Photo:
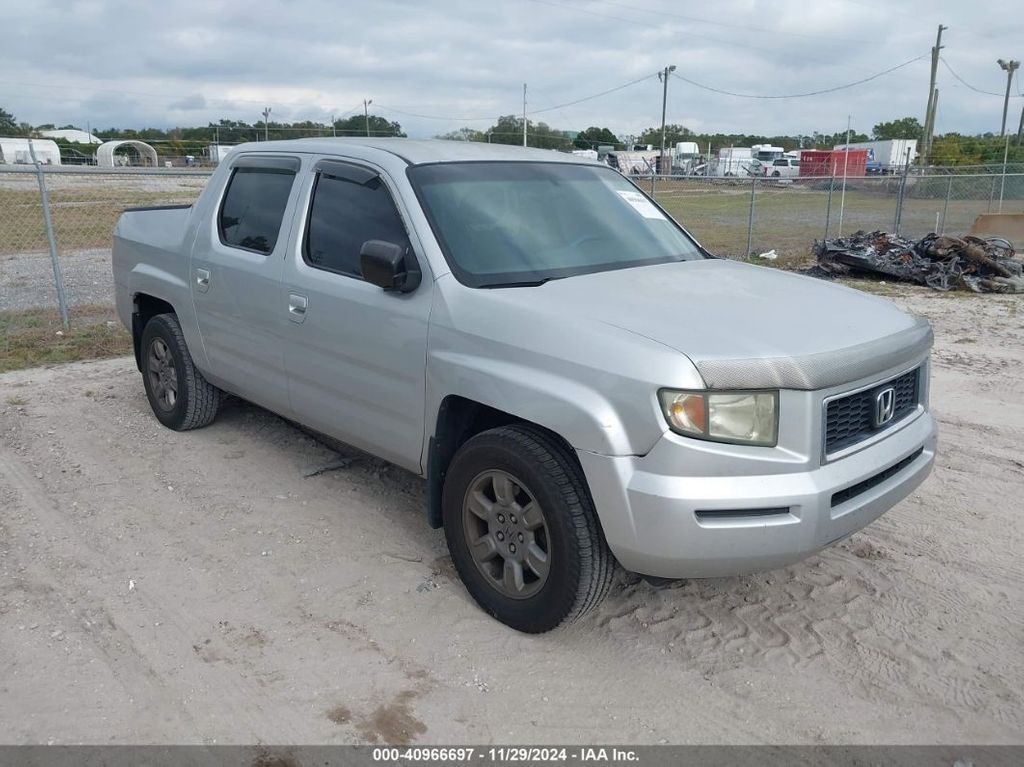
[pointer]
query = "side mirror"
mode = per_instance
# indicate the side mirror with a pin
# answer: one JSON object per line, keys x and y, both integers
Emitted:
{"x": 388, "y": 265}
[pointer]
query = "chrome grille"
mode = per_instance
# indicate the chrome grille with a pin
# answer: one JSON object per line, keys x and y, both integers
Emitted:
{"x": 850, "y": 419}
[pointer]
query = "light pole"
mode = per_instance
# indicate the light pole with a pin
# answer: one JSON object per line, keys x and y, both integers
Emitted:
{"x": 1009, "y": 67}
{"x": 663, "y": 76}
{"x": 524, "y": 114}
{"x": 266, "y": 124}
{"x": 366, "y": 114}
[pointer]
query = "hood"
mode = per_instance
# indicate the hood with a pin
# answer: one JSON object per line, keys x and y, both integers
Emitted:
{"x": 744, "y": 326}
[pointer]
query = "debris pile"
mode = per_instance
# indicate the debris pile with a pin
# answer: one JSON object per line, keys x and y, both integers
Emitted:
{"x": 938, "y": 261}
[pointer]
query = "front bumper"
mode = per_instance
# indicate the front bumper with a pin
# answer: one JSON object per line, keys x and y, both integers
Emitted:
{"x": 662, "y": 524}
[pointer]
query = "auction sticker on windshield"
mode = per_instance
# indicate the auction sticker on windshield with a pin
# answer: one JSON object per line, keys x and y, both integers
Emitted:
{"x": 640, "y": 204}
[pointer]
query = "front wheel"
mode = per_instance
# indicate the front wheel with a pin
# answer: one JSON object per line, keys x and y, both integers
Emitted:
{"x": 522, "y": 530}
{"x": 179, "y": 395}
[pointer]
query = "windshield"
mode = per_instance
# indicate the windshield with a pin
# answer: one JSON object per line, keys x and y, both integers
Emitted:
{"x": 523, "y": 223}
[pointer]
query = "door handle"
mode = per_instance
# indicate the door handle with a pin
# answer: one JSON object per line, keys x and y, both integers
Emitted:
{"x": 297, "y": 306}
{"x": 202, "y": 280}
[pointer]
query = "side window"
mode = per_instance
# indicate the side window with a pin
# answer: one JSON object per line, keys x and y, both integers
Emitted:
{"x": 253, "y": 208}
{"x": 344, "y": 214}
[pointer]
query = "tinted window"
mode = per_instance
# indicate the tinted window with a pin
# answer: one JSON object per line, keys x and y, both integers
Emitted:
{"x": 343, "y": 216}
{"x": 503, "y": 223}
{"x": 253, "y": 208}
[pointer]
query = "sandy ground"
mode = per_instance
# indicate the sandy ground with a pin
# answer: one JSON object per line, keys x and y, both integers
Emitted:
{"x": 159, "y": 587}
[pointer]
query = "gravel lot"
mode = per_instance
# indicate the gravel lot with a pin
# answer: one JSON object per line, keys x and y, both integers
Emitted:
{"x": 26, "y": 279}
{"x": 158, "y": 587}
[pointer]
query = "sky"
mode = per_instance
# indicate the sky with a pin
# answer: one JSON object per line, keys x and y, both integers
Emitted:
{"x": 438, "y": 65}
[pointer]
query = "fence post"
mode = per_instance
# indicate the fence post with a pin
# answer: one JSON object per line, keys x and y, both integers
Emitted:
{"x": 1002, "y": 184}
{"x": 828, "y": 207}
{"x": 945, "y": 207}
{"x": 899, "y": 200}
{"x": 750, "y": 220}
{"x": 652, "y": 185}
{"x": 44, "y": 200}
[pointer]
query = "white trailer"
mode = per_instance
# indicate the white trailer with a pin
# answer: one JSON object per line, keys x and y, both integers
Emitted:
{"x": 888, "y": 156}
{"x": 733, "y": 161}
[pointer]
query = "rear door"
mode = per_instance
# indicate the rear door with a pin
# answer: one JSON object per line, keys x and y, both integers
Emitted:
{"x": 355, "y": 354}
{"x": 235, "y": 275}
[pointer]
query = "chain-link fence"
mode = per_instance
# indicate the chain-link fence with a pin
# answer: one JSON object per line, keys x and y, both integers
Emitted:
{"x": 84, "y": 205}
{"x": 731, "y": 216}
{"x": 36, "y": 326}
{"x": 748, "y": 216}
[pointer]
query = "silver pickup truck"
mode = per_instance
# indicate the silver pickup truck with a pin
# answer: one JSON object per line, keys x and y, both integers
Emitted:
{"x": 579, "y": 382}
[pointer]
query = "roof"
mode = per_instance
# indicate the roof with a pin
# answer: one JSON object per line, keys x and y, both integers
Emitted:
{"x": 419, "y": 152}
{"x": 73, "y": 135}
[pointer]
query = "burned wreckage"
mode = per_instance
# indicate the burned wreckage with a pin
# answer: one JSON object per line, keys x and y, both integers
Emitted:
{"x": 938, "y": 261}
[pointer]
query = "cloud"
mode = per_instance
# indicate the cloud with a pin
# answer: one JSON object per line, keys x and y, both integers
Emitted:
{"x": 119, "y": 63}
{"x": 193, "y": 103}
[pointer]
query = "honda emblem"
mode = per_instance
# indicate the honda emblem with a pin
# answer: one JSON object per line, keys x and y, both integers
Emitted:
{"x": 885, "y": 406}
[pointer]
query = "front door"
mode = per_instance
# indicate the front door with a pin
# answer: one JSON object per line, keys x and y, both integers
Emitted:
{"x": 356, "y": 355}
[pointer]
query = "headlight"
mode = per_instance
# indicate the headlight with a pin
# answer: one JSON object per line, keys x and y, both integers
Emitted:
{"x": 740, "y": 417}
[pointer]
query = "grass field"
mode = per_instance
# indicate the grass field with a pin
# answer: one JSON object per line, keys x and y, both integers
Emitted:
{"x": 35, "y": 337}
{"x": 84, "y": 208}
{"x": 789, "y": 219}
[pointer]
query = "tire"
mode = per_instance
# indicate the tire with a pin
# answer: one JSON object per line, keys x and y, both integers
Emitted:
{"x": 559, "y": 522}
{"x": 179, "y": 395}
{"x": 776, "y": 174}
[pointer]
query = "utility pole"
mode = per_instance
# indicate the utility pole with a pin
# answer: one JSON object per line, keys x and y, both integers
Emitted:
{"x": 266, "y": 124}
{"x": 366, "y": 114}
{"x": 663, "y": 76}
{"x": 334, "y": 128}
{"x": 1020, "y": 127}
{"x": 929, "y": 115}
{"x": 1009, "y": 67}
{"x": 524, "y": 114}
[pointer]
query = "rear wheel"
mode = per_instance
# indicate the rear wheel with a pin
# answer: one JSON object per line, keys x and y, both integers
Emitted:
{"x": 522, "y": 530}
{"x": 180, "y": 397}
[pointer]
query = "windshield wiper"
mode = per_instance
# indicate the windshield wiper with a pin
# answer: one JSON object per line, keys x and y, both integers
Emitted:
{"x": 521, "y": 284}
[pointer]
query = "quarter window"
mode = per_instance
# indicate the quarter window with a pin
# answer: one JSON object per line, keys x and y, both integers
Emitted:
{"x": 253, "y": 208}
{"x": 345, "y": 213}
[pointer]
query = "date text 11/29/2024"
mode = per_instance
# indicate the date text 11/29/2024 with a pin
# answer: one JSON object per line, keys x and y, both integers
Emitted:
{"x": 501, "y": 754}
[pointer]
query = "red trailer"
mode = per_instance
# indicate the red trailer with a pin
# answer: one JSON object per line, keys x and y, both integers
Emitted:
{"x": 829, "y": 162}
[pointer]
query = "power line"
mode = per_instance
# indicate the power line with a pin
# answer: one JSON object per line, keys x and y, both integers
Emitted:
{"x": 348, "y": 112}
{"x": 800, "y": 95}
{"x": 446, "y": 118}
{"x": 455, "y": 118}
{"x": 976, "y": 90}
{"x": 594, "y": 96}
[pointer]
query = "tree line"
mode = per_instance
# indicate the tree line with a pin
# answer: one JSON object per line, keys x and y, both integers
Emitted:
{"x": 947, "y": 149}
